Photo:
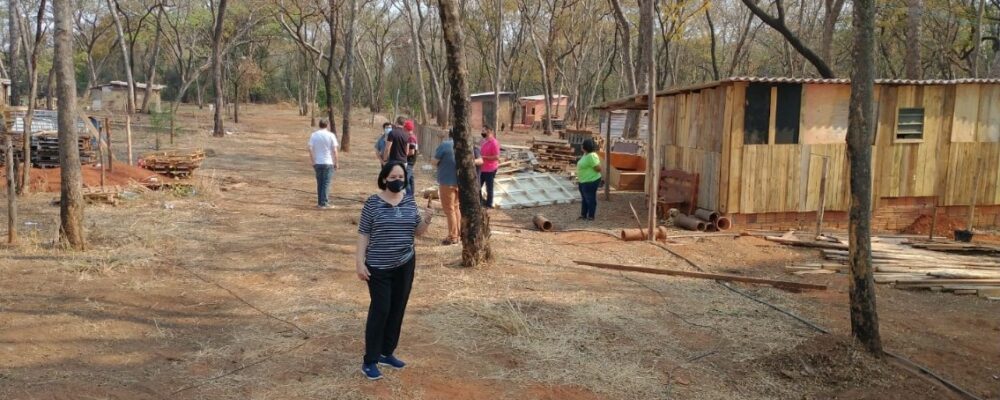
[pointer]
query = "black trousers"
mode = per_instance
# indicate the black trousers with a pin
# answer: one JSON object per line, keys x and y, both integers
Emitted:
{"x": 389, "y": 290}
{"x": 486, "y": 178}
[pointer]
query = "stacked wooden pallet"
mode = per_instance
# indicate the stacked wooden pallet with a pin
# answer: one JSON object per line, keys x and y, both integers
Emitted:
{"x": 176, "y": 163}
{"x": 896, "y": 263}
{"x": 107, "y": 194}
{"x": 553, "y": 155}
{"x": 45, "y": 150}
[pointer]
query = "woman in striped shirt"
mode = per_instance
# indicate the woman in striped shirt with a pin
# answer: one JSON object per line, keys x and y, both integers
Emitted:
{"x": 386, "y": 259}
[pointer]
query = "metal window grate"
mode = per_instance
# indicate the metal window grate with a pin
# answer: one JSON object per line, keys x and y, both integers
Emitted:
{"x": 910, "y": 124}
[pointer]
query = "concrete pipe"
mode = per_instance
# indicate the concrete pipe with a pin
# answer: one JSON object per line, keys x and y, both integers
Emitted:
{"x": 710, "y": 216}
{"x": 690, "y": 223}
{"x": 723, "y": 224}
{"x": 632, "y": 235}
{"x": 542, "y": 223}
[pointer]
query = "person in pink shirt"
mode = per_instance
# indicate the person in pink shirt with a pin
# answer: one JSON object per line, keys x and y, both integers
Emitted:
{"x": 490, "y": 151}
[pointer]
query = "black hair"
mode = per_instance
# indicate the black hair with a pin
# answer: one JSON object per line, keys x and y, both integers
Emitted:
{"x": 386, "y": 170}
{"x": 589, "y": 145}
{"x": 386, "y": 125}
{"x": 323, "y": 123}
{"x": 487, "y": 127}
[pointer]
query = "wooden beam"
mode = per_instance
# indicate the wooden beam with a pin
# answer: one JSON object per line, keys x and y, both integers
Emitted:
{"x": 703, "y": 275}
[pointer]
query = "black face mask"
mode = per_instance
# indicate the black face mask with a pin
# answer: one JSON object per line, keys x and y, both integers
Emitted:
{"x": 395, "y": 186}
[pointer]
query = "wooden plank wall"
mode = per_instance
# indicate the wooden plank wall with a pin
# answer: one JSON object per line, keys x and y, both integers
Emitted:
{"x": 690, "y": 137}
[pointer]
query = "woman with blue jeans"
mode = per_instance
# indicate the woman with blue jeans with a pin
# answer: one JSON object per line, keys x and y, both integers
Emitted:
{"x": 588, "y": 174}
{"x": 386, "y": 260}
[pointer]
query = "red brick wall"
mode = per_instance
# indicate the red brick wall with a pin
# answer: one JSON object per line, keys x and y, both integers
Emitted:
{"x": 891, "y": 215}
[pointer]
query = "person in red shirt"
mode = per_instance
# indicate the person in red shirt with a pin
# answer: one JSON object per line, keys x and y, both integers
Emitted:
{"x": 490, "y": 152}
{"x": 411, "y": 155}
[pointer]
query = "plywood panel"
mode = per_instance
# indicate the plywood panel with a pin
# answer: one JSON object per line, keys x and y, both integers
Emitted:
{"x": 735, "y": 136}
{"x": 988, "y": 127}
{"x": 966, "y": 113}
{"x": 824, "y": 114}
{"x": 725, "y": 148}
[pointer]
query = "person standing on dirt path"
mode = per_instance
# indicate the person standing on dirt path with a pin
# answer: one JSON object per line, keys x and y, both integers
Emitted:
{"x": 381, "y": 141}
{"x": 323, "y": 147}
{"x": 490, "y": 153}
{"x": 396, "y": 143}
{"x": 412, "y": 147}
{"x": 588, "y": 174}
{"x": 447, "y": 179}
{"x": 386, "y": 259}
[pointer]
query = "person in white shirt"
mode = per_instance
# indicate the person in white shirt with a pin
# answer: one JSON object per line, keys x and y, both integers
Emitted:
{"x": 323, "y": 154}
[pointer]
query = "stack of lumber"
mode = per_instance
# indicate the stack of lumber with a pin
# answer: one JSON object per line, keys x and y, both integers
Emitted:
{"x": 514, "y": 159}
{"x": 553, "y": 155}
{"x": 107, "y": 194}
{"x": 896, "y": 263}
{"x": 45, "y": 150}
{"x": 954, "y": 247}
{"x": 176, "y": 163}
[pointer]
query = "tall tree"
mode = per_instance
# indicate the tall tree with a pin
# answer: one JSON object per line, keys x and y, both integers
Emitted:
{"x": 475, "y": 223}
{"x": 347, "y": 92}
{"x": 126, "y": 56}
{"x": 70, "y": 186}
{"x": 153, "y": 61}
{"x": 864, "y": 315}
{"x": 418, "y": 54}
{"x": 912, "y": 65}
{"x": 778, "y": 23}
{"x": 628, "y": 67}
{"x": 13, "y": 50}
{"x": 32, "y": 46}
{"x": 220, "y": 18}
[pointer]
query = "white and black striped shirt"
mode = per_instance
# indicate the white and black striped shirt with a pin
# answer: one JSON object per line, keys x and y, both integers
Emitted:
{"x": 390, "y": 231}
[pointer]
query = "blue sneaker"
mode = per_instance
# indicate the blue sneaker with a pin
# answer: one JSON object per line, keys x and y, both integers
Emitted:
{"x": 391, "y": 361}
{"x": 371, "y": 371}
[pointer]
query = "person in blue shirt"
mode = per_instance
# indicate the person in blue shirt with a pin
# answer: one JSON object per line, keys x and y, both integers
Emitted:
{"x": 380, "y": 142}
{"x": 447, "y": 180}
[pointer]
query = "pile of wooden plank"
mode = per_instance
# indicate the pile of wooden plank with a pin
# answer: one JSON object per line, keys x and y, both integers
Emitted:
{"x": 176, "y": 163}
{"x": 107, "y": 194}
{"x": 954, "y": 247}
{"x": 45, "y": 150}
{"x": 896, "y": 262}
{"x": 514, "y": 159}
{"x": 553, "y": 155}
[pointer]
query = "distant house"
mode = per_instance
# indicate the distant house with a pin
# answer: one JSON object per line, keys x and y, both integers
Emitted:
{"x": 533, "y": 108}
{"x": 482, "y": 106}
{"x": 113, "y": 96}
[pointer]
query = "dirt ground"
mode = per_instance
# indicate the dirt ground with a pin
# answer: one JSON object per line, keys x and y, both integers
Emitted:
{"x": 241, "y": 289}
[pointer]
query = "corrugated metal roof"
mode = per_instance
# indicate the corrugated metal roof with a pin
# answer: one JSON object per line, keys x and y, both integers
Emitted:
{"x": 490, "y": 94}
{"x": 633, "y": 102}
{"x": 138, "y": 85}
{"x": 542, "y": 97}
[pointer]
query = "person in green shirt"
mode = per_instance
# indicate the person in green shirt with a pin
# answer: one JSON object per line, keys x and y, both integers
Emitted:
{"x": 588, "y": 174}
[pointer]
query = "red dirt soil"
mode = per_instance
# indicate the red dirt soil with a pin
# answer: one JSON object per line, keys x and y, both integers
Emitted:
{"x": 47, "y": 179}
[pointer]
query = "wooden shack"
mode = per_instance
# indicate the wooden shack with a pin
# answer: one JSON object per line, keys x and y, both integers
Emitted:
{"x": 758, "y": 145}
{"x": 113, "y": 96}
{"x": 533, "y": 108}
{"x": 481, "y": 109}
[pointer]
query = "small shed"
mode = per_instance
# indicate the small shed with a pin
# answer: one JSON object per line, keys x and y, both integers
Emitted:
{"x": 113, "y": 96}
{"x": 758, "y": 146}
{"x": 482, "y": 106}
{"x": 533, "y": 108}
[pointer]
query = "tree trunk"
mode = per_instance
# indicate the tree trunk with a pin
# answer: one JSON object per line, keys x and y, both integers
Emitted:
{"x": 218, "y": 130}
{"x": 50, "y": 87}
{"x": 831, "y": 13}
{"x": 151, "y": 72}
{"x": 130, "y": 97}
{"x": 199, "y": 93}
{"x": 418, "y": 53}
{"x": 236, "y": 100}
{"x": 864, "y": 315}
{"x": 912, "y": 64}
{"x": 14, "y": 51}
{"x": 347, "y": 96}
{"x": 70, "y": 187}
{"x": 628, "y": 68}
{"x": 8, "y": 143}
{"x": 978, "y": 45}
{"x": 711, "y": 33}
{"x": 496, "y": 81}
{"x": 328, "y": 78}
{"x": 475, "y": 222}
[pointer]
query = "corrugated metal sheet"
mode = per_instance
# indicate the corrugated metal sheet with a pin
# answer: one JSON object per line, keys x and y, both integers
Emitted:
{"x": 847, "y": 81}
{"x": 618, "y": 125}
{"x": 532, "y": 190}
{"x": 42, "y": 121}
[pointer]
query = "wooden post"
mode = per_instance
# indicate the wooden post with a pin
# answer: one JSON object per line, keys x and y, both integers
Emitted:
{"x": 822, "y": 198}
{"x": 100, "y": 152}
{"x": 111, "y": 155}
{"x": 128, "y": 135}
{"x": 975, "y": 194}
{"x": 607, "y": 157}
{"x": 651, "y": 129}
{"x": 930, "y": 236}
{"x": 11, "y": 190}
